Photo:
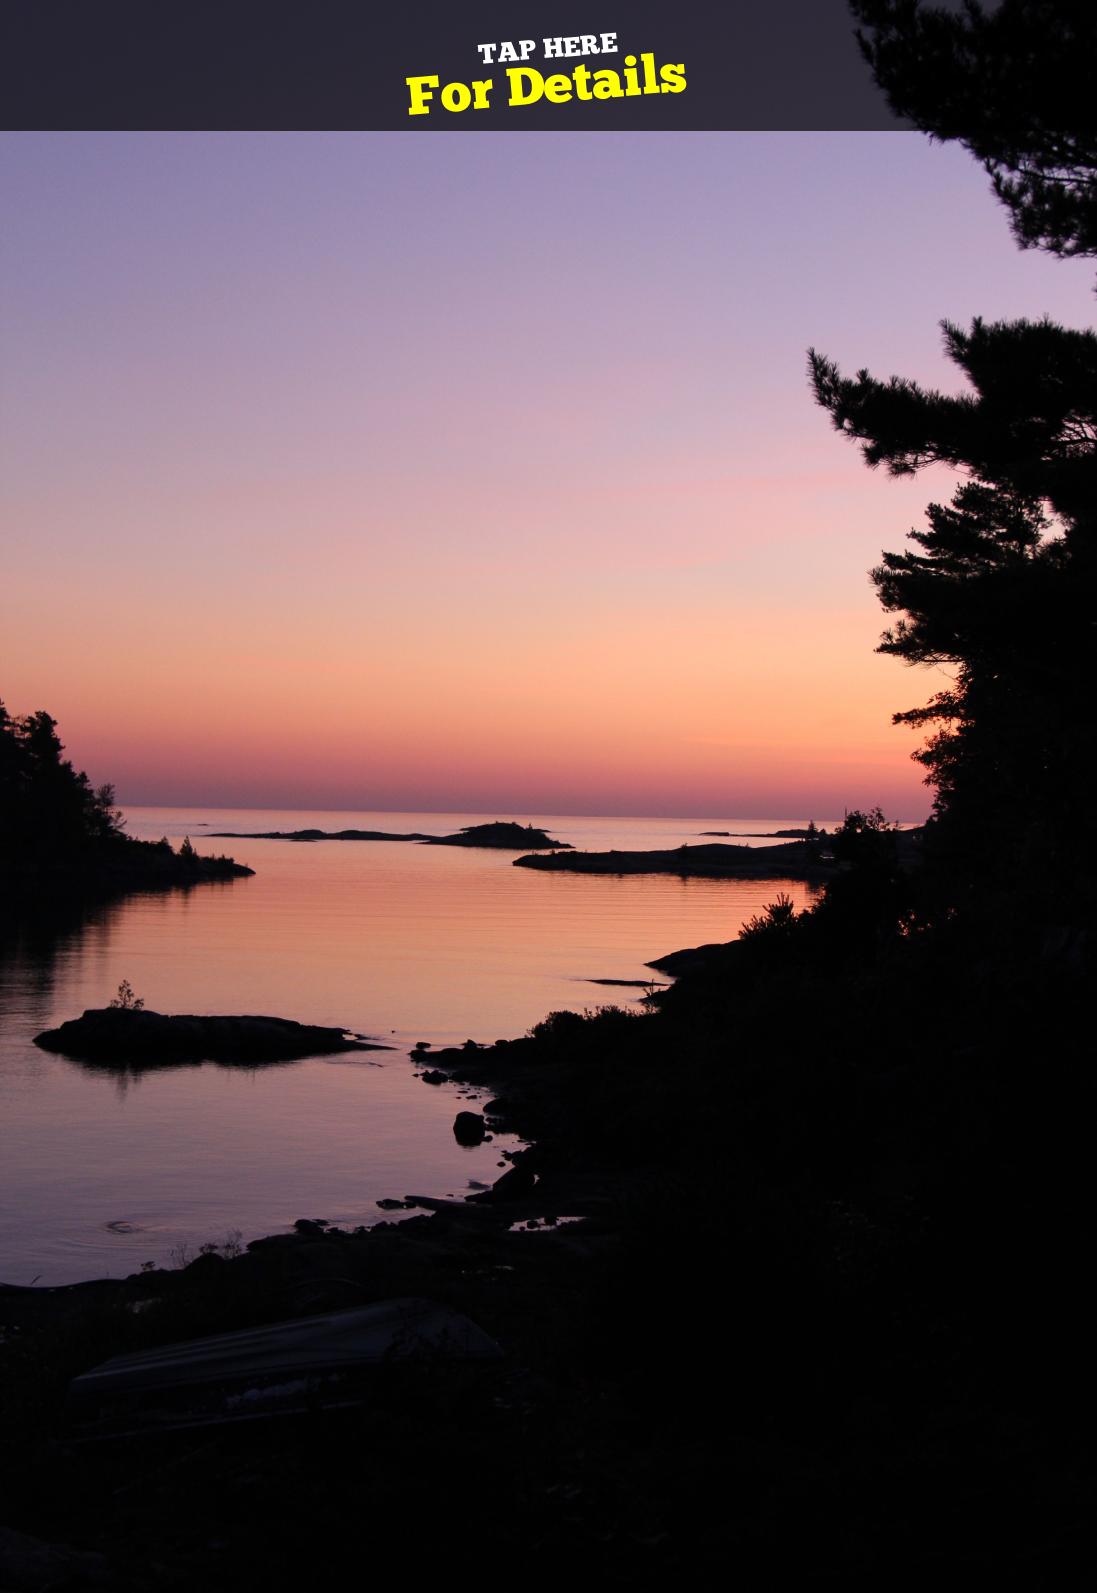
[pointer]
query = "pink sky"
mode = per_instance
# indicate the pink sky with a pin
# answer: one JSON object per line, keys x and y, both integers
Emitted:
{"x": 474, "y": 473}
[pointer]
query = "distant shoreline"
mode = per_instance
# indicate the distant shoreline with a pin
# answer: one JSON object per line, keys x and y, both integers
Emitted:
{"x": 498, "y": 836}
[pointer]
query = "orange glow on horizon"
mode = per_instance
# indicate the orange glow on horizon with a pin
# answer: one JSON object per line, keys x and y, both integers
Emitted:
{"x": 342, "y": 473}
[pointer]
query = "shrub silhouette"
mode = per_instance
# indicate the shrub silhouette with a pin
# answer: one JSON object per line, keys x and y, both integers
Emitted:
{"x": 126, "y": 999}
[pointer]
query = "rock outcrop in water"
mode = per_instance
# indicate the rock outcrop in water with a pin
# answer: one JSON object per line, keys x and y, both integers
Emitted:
{"x": 506, "y": 837}
{"x": 135, "y": 1037}
{"x": 795, "y": 860}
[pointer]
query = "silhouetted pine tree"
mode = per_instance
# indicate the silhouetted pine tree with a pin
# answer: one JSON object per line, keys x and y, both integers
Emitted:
{"x": 47, "y": 807}
{"x": 1002, "y": 585}
{"x": 1016, "y": 83}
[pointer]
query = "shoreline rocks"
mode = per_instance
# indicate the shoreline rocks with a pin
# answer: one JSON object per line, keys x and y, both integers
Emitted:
{"x": 469, "y": 1129}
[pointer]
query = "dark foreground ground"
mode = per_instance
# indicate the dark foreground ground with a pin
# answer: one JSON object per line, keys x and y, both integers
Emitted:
{"x": 825, "y": 1321}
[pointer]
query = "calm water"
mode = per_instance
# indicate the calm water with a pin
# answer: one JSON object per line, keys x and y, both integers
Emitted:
{"x": 395, "y": 940}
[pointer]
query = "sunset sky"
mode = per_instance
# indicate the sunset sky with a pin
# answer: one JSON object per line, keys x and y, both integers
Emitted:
{"x": 474, "y": 472}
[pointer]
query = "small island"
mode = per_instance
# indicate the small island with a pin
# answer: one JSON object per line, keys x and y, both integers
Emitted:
{"x": 505, "y": 837}
{"x": 808, "y": 834}
{"x": 128, "y": 1035}
{"x": 316, "y": 835}
{"x": 499, "y": 836}
{"x": 794, "y": 860}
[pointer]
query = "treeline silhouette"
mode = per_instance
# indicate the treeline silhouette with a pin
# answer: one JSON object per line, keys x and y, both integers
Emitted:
{"x": 61, "y": 837}
{"x": 44, "y": 801}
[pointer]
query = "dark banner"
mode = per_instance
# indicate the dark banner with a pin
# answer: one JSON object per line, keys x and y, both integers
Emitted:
{"x": 434, "y": 65}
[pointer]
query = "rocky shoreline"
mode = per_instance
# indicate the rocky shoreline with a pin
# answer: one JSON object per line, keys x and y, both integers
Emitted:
{"x": 502, "y": 1259}
{"x": 792, "y": 1246}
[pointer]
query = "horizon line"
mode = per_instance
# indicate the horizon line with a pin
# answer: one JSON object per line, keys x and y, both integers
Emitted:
{"x": 482, "y": 813}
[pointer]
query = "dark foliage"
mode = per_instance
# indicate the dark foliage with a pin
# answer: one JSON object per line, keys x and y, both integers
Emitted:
{"x": 46, "y": 804}
{"x": 61, "y": 837}
{"x": 1000, "y": 588}
{"x": 1028, "y": 426}
{"x": 1016, "y": 83}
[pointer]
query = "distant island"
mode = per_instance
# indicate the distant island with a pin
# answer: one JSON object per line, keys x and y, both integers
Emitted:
{"x": 793, "y": 860}
{"x": 808, "y": 834}
{"x": 62, "y": 839}
{"x": 504, "y": 837}
{"x": 315, "y": 835}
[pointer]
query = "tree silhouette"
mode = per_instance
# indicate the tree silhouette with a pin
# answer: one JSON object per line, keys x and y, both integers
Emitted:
{"x": 61, "y": 837}
{"x": 46, "y": 804}
{"x": 1017, "y": 85}
{"x": 127, "y": 1000}
{"x": 1000, "y": 586}
{"x": 1028, "y": 426}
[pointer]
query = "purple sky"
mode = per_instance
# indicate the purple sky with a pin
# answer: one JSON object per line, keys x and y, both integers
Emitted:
{"x": 366, "y": 470}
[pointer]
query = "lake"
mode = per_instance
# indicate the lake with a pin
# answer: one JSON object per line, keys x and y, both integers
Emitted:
{"x": 101, "y": 1171}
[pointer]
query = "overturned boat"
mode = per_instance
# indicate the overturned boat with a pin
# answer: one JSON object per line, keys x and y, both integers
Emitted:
{"x": 284, "y": 1368}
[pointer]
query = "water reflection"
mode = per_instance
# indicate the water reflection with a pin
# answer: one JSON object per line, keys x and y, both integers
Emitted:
{"x": 32, "y": 947}
{"x": 399, "y": 941}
